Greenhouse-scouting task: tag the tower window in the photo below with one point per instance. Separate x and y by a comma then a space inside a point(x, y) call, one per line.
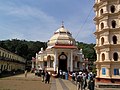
point(102, 40)
point(115, 56)
point(101, 11)
point(114, 39)
point(103, 57)
point(113, 24)
point(51, 63)
point(112, 8)
point(102, 25)
point(116, 71)
point(103, 71)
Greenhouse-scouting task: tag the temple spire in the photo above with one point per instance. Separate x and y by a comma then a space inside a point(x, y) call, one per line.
point(62, 24)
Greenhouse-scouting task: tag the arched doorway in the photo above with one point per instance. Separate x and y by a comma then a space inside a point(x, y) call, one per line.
point(63, 62)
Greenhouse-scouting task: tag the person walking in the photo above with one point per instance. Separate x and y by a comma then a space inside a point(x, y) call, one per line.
point(60, 74)
point(91, 81)
point(43, 75)
point(73, 76)
point(0, 72)
point(84, 80)
point(79, 81)
point(47, 77)
point(25, 73)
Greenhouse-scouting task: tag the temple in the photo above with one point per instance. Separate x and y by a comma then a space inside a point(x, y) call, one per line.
point(61, 53)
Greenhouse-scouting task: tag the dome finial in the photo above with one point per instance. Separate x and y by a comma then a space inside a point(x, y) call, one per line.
point(62, 24)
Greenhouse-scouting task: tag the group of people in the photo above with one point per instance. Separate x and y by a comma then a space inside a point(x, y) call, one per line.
point(62, 74)
point(84, 80)
point(45, 76)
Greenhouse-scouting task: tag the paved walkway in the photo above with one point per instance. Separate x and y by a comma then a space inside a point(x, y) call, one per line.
point(61, 84)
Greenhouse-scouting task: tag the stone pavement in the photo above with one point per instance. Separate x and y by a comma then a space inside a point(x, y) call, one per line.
point(62, 84)
point(20, 82)
point(55, 83)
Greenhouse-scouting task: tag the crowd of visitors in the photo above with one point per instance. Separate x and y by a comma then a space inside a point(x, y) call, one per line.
point(45, 75)
point(83, 80)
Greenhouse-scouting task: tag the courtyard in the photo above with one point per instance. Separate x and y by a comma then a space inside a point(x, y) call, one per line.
point(32, 82)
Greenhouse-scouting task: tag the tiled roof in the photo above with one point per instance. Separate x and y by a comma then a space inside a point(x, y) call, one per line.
point(65, 46)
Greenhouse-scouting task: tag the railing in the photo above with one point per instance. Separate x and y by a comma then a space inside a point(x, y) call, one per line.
point(76, 69)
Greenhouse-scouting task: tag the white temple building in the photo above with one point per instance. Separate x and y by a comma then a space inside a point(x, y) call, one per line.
point(61, 53)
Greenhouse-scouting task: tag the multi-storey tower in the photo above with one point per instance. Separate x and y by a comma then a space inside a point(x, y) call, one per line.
point(107, 33)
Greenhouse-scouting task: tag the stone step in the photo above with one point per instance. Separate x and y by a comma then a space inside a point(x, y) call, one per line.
point(108, 85)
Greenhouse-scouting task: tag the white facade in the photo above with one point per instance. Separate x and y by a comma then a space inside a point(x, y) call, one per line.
point(60, 54)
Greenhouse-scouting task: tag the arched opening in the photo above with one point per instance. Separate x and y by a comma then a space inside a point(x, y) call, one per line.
point(76, 58)
point(63, 62)
point(114, 39)
point(49, 57)
point(50, 60)
point(101, 11)
point(113, 24)
point(103, 57)
point(102, 40)
point(112, 8)
point(102, 25)
point(115, 56)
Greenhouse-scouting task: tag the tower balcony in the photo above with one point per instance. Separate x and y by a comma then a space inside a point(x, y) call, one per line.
point(99, 3)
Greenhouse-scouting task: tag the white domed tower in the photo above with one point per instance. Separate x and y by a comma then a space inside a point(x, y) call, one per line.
point(61, 53)
point(107, 33)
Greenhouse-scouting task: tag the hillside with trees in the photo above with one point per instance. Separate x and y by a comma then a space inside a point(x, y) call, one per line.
point(28, 49)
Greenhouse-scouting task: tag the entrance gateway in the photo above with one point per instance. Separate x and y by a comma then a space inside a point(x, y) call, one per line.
point(63, 62)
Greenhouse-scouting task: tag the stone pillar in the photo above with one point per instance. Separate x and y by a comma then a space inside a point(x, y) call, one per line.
point(68, 62)
point(32, 64)
point(55, 61)
point(108, 71)
point(106, 39)
point(71, 63)
point(37, 65)
point(98, 55)
point(97, 42)
point(98, 70)
point(107, 55)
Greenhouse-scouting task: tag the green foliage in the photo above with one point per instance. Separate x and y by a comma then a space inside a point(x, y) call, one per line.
point(26, 49)
point(88, 50)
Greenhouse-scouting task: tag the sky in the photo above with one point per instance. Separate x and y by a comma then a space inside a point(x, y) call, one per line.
point(37, 20)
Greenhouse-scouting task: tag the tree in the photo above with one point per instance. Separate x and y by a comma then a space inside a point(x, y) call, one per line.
point(22, 50)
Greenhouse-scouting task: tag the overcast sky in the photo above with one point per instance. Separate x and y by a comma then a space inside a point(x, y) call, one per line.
point(38, 19)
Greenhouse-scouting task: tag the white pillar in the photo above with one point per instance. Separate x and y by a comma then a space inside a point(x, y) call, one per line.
point(71, 64)
point(55, 60)
point(68, 62)
point(36, 66)
point(106, 39)
point(32, 64)
point(107, 56)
